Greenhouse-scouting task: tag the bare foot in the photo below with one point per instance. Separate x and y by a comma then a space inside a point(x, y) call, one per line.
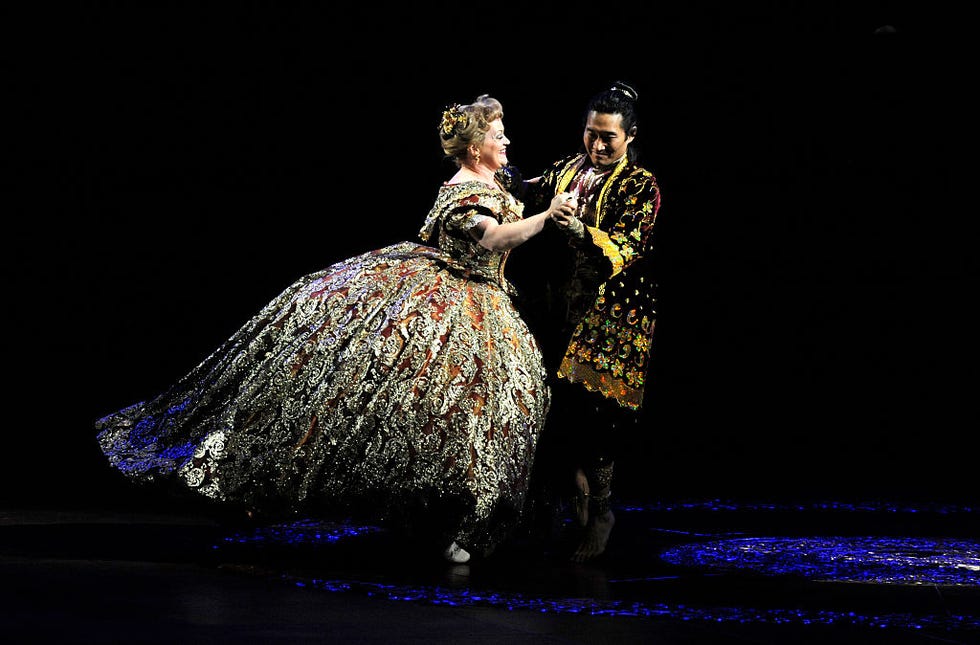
point(595, 538)
point(581, 500)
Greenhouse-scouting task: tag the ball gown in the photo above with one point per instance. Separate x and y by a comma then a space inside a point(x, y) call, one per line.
point(402, 378)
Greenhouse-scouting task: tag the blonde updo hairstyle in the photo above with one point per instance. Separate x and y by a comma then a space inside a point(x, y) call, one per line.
point(463, 126)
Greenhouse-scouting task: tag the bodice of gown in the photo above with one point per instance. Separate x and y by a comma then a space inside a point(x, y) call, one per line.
point(457, 209)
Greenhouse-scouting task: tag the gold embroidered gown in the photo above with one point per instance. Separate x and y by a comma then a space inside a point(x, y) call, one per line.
point(401, 375)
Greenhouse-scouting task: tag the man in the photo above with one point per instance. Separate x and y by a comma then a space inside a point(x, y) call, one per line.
point(599, 293)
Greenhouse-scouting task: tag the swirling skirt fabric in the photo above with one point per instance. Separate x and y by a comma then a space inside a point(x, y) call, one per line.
point(386, 380)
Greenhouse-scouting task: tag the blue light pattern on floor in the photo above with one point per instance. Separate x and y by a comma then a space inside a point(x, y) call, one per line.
point(868, 560)
point(879, 560)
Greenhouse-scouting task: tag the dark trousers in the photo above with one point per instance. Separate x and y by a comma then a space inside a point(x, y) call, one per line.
point(584, 430)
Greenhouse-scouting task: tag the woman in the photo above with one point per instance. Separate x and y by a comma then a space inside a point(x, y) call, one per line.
point(399, 379)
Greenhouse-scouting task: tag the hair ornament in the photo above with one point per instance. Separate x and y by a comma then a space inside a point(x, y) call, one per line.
point(453, 118)
point(620, 86)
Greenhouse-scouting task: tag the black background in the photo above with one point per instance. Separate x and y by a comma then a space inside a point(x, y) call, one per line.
point(184, 162)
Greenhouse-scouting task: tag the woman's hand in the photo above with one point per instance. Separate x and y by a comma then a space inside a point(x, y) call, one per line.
point(562, 213)
point(563, 206)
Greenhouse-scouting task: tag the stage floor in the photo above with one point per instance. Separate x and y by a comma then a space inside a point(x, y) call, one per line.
point(683, 572)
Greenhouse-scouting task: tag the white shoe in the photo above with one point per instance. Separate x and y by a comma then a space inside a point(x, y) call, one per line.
point(456, 554)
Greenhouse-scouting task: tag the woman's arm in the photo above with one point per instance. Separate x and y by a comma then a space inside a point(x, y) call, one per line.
point(503, 237)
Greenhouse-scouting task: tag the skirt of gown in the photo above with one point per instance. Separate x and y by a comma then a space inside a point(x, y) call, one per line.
point(383, 381)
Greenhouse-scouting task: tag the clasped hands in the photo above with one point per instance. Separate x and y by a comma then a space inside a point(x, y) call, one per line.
point(563, 208)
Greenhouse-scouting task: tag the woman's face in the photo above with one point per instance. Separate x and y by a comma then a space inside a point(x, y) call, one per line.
point(604, 138)
point(493, 150)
